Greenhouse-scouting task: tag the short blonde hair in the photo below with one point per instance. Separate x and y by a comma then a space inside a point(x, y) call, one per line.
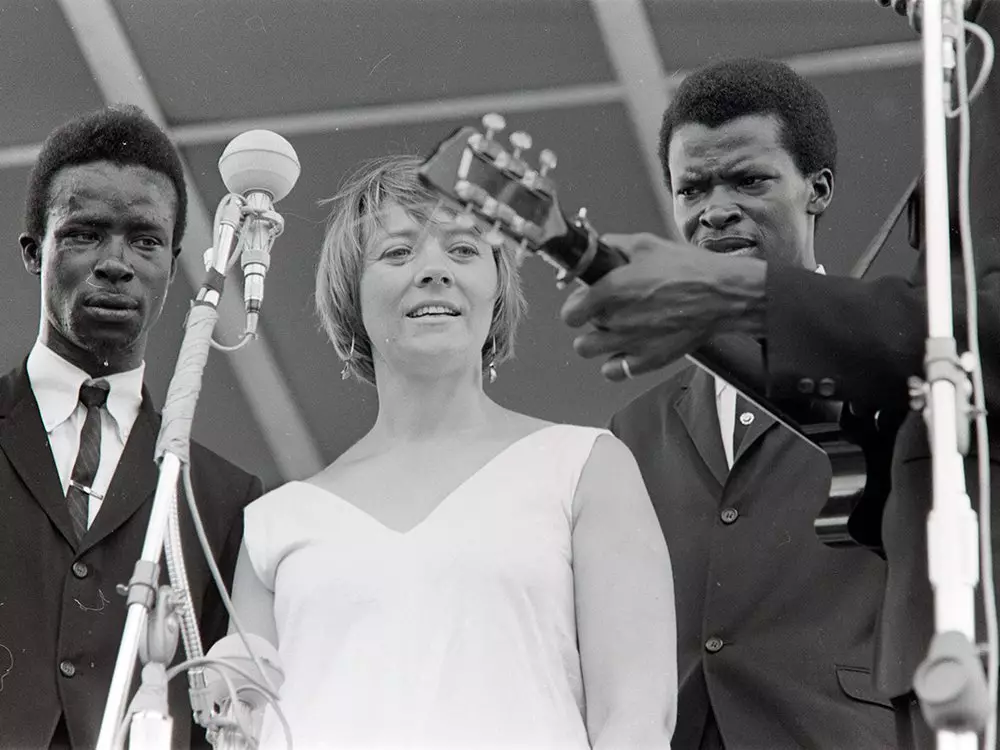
point(352, 222)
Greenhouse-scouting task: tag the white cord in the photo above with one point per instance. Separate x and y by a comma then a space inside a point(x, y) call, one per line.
point(272, 691)
point(247, 338)
point(987, 66)
point(220, 666)
point(217, 576)
point(965, 97)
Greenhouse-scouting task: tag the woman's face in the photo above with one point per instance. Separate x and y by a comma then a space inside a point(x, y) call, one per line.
point(427, 292)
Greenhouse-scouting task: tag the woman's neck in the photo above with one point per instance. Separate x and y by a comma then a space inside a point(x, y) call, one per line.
point(426, 407)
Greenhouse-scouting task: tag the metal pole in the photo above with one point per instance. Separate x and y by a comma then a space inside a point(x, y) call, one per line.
point(952, 527)
point(142, 588)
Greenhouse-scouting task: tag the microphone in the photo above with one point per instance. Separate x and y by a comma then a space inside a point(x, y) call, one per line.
point(246, 707)
point(262, 167)
point(913, 10)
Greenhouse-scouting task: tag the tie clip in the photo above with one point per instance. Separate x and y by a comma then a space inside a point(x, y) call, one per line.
point(86, 490)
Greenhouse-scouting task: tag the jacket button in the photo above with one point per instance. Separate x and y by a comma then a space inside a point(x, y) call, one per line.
point(714, 645)
point(729, 515)
point(806, 386)
point(826, 387)
point(67, 668)
point(80, 569)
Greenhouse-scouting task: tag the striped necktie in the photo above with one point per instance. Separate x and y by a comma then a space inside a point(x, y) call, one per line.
point(93, 395)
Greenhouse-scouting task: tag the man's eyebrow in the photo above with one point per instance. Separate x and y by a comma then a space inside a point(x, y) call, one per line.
point(102, 221)
point(94, 220)
point(736, 165)
point(694, 175)
point(743, 164)
point(145, 225)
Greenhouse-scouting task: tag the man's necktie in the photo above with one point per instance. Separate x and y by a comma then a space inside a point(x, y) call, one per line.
point(746, 413)
point(93, 395)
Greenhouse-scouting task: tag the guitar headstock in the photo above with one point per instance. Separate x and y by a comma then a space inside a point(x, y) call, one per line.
point(476, 173)
point(473, 172)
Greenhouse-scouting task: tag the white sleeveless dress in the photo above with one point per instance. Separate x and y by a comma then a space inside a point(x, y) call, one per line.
point(460, 633)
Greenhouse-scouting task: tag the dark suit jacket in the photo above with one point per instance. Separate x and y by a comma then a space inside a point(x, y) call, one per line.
point(795, 618)
point(864, 340)
point(61, 619)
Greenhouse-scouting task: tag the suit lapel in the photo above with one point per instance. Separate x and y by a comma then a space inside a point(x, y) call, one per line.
point(696, 408)
point(134, 480)
point(762, 423)
point(24, 441)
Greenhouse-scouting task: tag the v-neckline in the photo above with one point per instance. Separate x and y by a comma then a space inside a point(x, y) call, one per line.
point(444, 500)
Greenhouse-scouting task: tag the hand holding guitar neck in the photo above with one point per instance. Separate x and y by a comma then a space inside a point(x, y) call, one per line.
point(482, 179)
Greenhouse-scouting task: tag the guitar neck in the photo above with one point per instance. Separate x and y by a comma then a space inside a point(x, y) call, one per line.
point(567, 250)
point(474, 172)
point(735, 358)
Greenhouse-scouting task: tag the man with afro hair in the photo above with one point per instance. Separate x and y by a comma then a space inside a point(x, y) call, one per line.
point(825, 338)
point(105, 214)
point(774, 629)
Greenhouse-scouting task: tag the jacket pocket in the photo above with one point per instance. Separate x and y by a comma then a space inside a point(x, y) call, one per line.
point(856, 682)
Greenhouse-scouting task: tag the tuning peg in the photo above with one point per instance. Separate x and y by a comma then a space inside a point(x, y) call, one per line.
point(494, 237)
point(521, 141)
point(465, 219)
point(548, 161)
point(493, 123)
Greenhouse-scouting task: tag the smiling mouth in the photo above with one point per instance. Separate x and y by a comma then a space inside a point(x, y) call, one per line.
point(433, 312)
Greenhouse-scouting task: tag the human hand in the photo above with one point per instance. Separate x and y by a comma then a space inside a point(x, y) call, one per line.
point(668, 300)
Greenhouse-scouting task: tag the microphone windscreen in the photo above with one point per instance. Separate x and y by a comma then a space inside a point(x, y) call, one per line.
point(259, 160)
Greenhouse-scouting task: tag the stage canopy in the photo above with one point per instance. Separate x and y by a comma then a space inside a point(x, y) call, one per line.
point(345, 80)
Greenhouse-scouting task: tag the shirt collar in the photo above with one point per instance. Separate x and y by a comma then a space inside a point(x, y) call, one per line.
point(720, 386)
point(56, 384)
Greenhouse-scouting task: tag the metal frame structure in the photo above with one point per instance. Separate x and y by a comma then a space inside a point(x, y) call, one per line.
point(642, 86)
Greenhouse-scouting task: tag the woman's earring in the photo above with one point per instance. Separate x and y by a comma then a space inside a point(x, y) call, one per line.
point(346, 372)
point(492, 366)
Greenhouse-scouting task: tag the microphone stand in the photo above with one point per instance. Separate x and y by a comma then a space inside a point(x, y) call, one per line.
point(151, 722)
point(950, 682)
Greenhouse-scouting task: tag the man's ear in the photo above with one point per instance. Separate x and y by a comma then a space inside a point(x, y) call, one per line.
point(31, 253)
point(820, 191)
point(173, 264)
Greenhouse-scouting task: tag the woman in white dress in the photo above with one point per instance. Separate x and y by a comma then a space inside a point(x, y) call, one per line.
point(463, 576)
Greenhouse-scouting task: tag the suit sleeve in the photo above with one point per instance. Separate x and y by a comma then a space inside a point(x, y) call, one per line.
point(215, 618)
point(863, 339)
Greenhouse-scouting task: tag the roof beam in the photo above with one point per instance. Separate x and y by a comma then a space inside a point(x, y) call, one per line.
point(856, 59)
point(116, 70)
point(631, 46)
point(412, 112)
point(817, 64)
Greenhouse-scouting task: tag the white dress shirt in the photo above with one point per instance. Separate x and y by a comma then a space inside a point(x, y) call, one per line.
point(725, 404)
point(56, 385)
